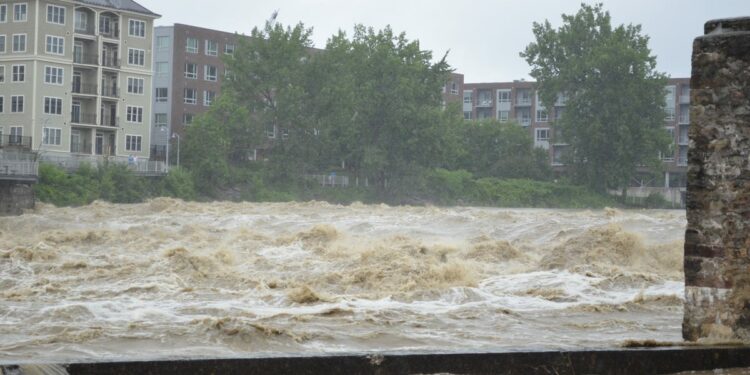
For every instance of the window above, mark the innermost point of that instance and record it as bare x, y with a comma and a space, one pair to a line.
191, 96
542, 135
2, 73
542, 115
55, 45
133, 142
135, 114
53, 75
229, 49
160, 68
3, 13
16, 134
191, 71
105, 25
51, 136
209, 73
187, 118
212, 48
160, 120
19, 73
2, 43
56, 14
82, 21
191, 45
503, 116
16, 104
52, 106
669, 114
135, 86
162, 42
136, 57
454, 88
467, 115
503, 96
19, 42
467, 97
559, 113
137, 28
162, 94
2, 103
19, 12
208, 98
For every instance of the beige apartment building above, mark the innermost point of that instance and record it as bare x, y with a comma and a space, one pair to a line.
76, 78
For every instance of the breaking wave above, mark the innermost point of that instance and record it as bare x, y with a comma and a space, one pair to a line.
169, 278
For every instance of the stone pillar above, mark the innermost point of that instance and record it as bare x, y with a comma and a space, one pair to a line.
15, 197
717, 240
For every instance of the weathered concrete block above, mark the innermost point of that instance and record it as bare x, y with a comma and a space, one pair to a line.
15, 197
717, 240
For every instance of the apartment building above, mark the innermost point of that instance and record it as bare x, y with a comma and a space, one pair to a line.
187, 77
517, 100
75, 77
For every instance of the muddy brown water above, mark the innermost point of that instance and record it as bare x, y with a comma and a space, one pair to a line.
168, 279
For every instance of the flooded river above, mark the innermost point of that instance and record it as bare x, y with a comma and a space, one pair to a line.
169, 279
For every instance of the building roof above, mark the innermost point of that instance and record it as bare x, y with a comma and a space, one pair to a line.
128, 5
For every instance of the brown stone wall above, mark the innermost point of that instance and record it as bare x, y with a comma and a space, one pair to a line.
717, 240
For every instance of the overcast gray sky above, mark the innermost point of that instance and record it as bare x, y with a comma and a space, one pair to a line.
484, 36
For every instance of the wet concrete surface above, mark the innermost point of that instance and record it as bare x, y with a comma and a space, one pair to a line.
689, 360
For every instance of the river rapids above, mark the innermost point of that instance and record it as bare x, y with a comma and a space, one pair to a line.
169, 279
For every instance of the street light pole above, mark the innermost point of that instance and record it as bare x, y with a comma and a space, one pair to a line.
175, 135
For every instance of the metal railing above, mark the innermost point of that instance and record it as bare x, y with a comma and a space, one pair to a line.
81, 148
109, 121
111, 91
111, 62
112, 33
71, 162
87, 31
330, 180
484, 102
682, 161
83, 118
523, 101
85, 59
80, 88
15, 141
19, 168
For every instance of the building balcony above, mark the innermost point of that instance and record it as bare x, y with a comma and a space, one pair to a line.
87, 59
684, 99
683, 141
80, 148
682, 162
83, 118
110, 92
525, 102
85, 89
111, 32
15, 141
684, 119
111, 62
110, 121
484, 103
84, 30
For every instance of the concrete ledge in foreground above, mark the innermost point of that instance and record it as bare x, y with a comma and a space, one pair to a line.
618, 361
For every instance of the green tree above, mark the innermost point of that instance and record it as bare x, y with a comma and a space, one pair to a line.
221, 137
269, 77
614, 116
503, 150
383, 114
